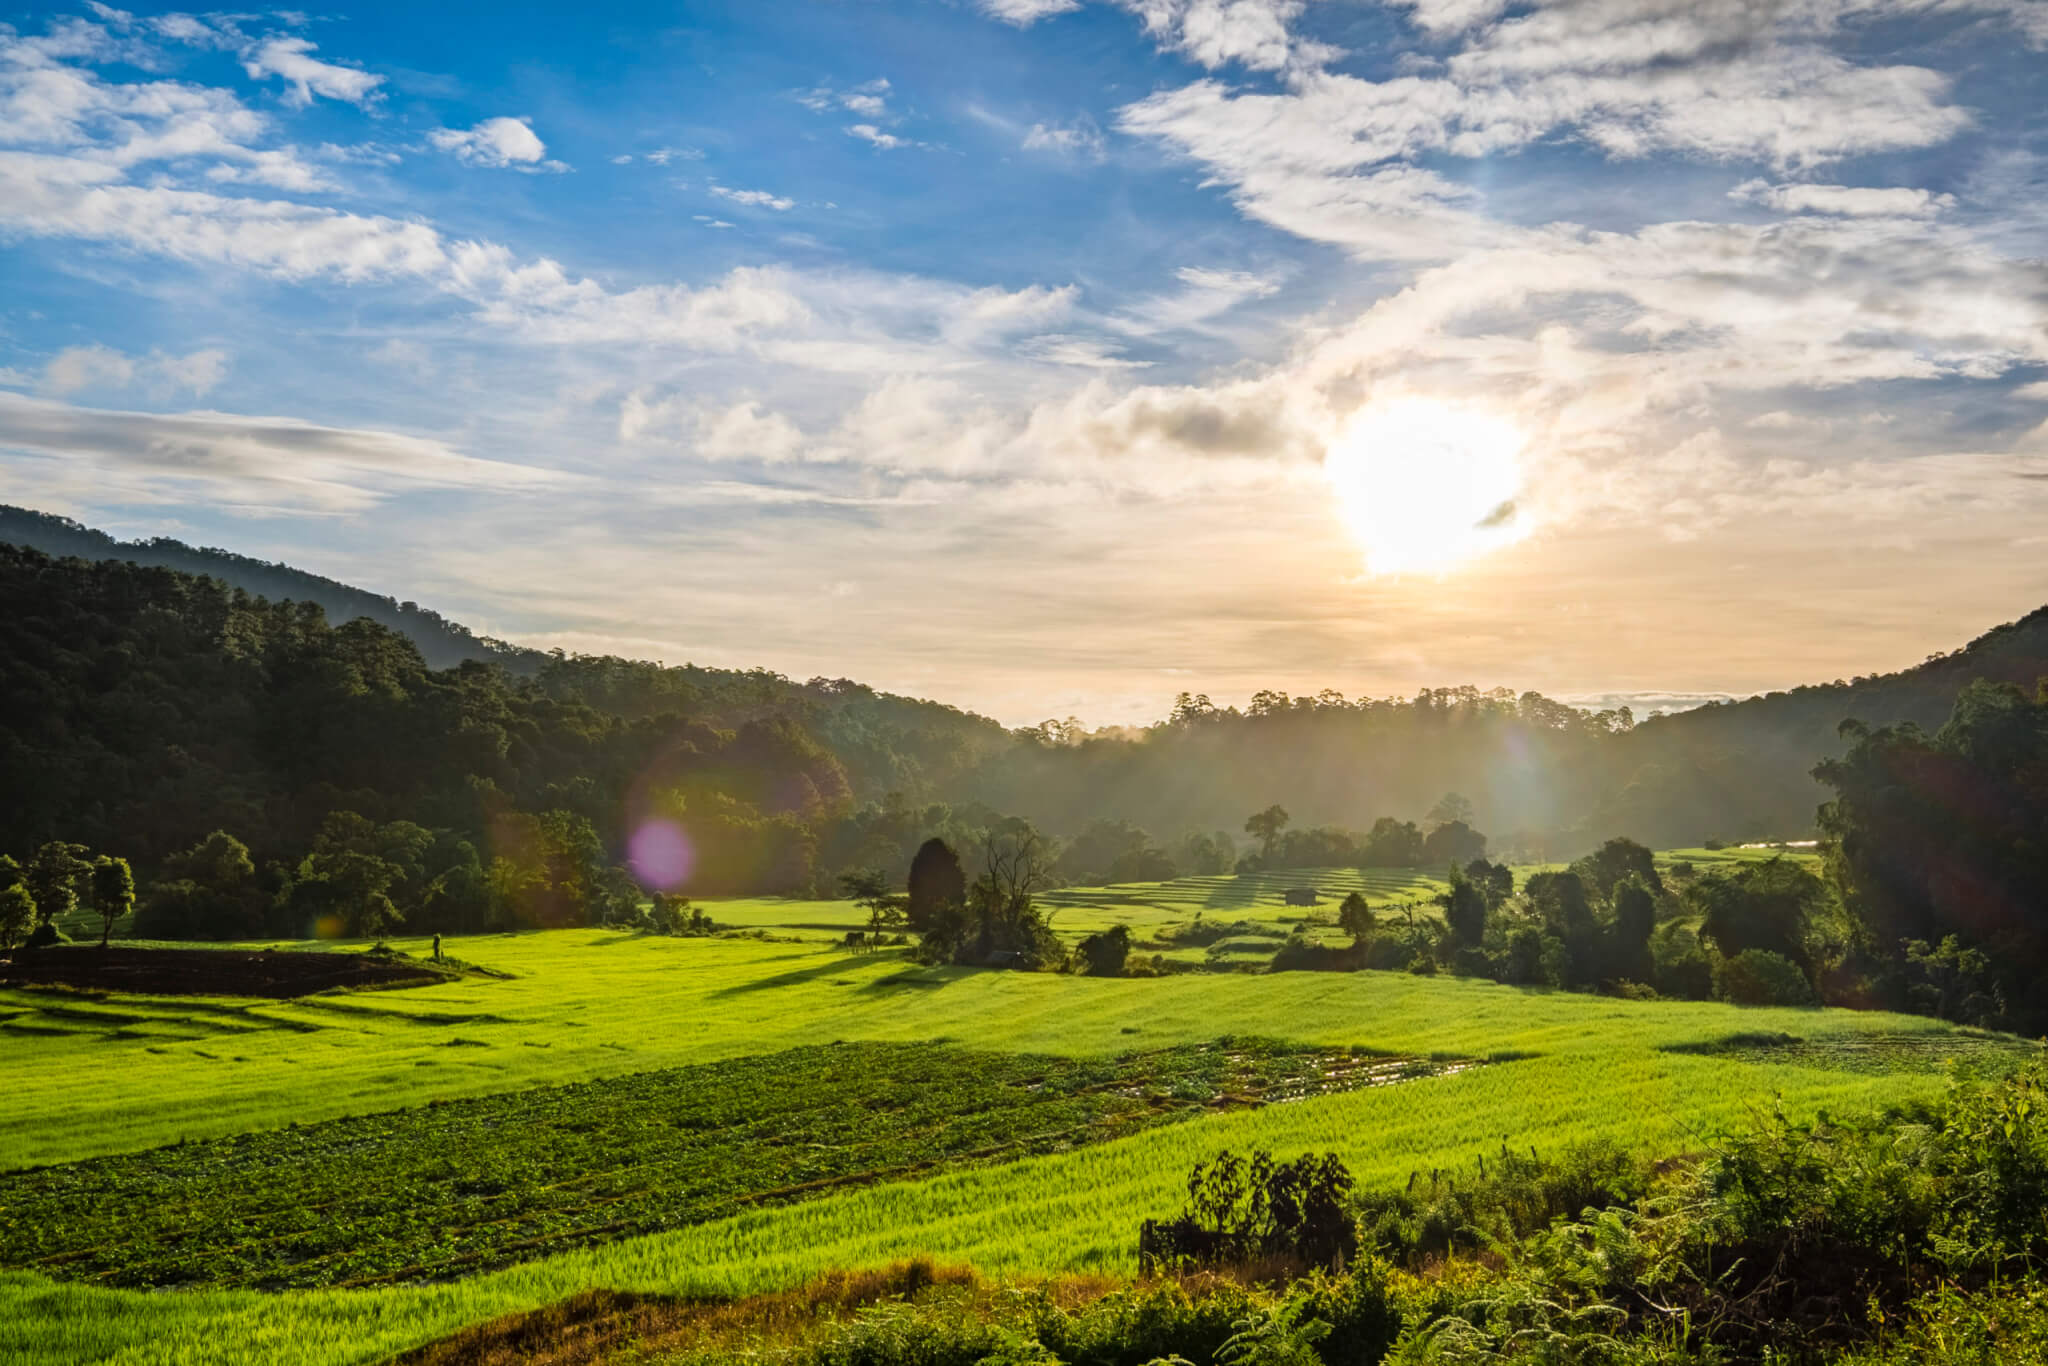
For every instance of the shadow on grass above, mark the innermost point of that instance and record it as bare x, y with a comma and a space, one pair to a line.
919, 977
830, 964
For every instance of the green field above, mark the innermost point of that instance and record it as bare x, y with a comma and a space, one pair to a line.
88, 1077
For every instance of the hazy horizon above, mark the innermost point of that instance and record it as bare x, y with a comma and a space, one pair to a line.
1049, 358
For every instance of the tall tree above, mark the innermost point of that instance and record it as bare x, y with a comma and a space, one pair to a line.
113, 892
1615, 862
17, 916
1265, 827
937, 885
1464, 907
53, 876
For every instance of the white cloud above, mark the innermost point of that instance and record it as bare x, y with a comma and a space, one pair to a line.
1024, 13
280, 168
1081, 138
77, 368
498, 143
46, 196
754, 199
1250, 33
1086, 352
1851, 201
291, 60
272, 462
745, 432
87, 367
198, 372
867, 132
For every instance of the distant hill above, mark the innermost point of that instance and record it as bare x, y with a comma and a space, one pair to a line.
1743, 769
441, 642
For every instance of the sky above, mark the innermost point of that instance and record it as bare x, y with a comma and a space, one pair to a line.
1052, 358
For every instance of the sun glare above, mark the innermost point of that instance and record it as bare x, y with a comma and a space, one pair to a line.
1425, 485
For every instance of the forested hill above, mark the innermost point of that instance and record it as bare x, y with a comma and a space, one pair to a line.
141, 708
442, 643
139, 699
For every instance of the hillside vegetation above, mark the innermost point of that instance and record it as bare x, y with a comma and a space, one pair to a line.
1544, 779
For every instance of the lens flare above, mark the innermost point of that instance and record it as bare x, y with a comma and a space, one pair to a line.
661, 855
1425, 485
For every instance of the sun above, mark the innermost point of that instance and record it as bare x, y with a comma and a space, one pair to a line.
1425, 486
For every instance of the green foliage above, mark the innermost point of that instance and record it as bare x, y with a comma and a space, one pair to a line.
1243, 1211
53, 877
1465, 910
1106, 951
1758, 977
938, 887
1355, 916
1454, 843
209, 891
1617, 861
113, 891
1768, 906
1932, 837
1265, 827
17, 916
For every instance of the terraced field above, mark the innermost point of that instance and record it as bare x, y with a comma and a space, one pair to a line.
416, 1110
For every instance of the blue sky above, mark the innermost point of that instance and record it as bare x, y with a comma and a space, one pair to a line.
1052, 357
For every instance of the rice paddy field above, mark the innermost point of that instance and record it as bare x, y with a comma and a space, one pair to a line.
344, 1176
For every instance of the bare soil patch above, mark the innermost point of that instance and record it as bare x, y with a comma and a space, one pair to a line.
210, 972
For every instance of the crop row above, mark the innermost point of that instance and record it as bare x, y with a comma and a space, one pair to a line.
460, 1186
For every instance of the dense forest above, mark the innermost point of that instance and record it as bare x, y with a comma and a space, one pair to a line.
146, 707
1544, 779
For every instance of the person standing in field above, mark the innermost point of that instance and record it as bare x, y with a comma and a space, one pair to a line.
437, 948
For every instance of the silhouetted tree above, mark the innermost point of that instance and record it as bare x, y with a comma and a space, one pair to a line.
1355, 917
1932, 837
1106, 951
1613, 863
937, 885
1635, 919
1765, 906
17, 916
209, 891
1450, 809
1453, 843
53, 877
1265, 827
1495, 880
1392, 844
869, 889
113, 892
1464, 907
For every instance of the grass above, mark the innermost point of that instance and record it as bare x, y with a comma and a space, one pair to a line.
89, 1076
456, 1187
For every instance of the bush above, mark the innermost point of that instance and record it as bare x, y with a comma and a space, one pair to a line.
1104, 954
45, 935
1243, 1211
1758, 977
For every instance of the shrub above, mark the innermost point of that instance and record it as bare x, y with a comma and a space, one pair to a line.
1241, 1211
1104, 954
1758, 977
45, 935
